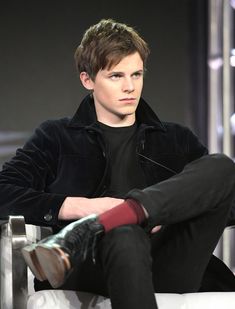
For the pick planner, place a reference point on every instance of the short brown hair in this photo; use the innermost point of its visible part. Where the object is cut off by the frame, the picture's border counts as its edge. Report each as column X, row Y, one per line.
column 105, row 44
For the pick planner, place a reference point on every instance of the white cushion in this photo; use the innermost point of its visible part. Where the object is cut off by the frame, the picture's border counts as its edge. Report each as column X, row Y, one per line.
column 58, row 299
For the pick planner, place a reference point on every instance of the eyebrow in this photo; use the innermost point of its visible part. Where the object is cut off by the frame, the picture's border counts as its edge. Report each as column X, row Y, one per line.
column 122, row 73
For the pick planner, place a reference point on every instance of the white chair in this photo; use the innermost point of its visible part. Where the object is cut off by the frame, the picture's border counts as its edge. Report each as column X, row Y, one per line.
column 17, row 280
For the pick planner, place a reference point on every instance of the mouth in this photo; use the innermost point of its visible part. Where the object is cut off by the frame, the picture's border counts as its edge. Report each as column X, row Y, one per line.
column 128, row 100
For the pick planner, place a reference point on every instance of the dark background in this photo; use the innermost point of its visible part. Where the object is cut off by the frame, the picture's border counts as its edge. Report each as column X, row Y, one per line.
column 38, row 79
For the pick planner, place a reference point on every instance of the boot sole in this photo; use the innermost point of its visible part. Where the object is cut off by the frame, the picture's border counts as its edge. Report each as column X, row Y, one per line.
column 31, row 260
column 54, row 262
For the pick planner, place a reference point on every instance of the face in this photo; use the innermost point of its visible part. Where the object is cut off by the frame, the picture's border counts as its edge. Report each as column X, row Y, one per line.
column 117, row 91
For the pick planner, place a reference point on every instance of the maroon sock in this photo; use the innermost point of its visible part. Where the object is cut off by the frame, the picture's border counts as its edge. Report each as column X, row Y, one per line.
column 128, row 212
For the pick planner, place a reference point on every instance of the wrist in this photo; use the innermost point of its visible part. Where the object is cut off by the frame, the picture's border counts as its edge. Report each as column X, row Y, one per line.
column 70, row 209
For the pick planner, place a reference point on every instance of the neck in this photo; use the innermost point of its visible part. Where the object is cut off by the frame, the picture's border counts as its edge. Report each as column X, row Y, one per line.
column 125, row 121
column 117, row 124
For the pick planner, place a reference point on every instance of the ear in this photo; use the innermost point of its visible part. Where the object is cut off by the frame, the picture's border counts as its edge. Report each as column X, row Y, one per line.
column 86, row 81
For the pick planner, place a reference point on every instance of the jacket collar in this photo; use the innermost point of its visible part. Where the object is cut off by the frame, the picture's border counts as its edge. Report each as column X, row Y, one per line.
column 85, row 115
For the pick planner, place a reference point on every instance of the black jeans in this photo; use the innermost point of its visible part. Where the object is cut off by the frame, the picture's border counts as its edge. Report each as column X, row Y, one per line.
column 132, row 264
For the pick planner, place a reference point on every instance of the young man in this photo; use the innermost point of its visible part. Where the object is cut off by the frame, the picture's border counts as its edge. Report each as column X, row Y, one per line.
column 147, row 203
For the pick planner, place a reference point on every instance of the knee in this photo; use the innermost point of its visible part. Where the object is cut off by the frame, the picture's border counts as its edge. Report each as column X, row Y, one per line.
column 218, row 169
column 222, row 164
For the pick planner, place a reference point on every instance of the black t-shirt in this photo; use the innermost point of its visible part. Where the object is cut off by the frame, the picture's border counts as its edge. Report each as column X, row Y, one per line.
column 126, row 173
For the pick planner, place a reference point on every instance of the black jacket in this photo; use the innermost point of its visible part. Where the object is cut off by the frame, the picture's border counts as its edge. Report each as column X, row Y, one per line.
column 68, row 157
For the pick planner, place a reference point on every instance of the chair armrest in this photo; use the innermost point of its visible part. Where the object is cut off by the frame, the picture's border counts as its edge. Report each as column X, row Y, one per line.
column 15, row 282
column 230, row 227
column 14, row 289
column 227, row 247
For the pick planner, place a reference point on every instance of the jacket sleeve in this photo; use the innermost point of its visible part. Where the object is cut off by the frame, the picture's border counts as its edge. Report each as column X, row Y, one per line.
column 24, row 179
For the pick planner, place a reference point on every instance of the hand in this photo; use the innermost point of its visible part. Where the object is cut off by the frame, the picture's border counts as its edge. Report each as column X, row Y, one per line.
column 75, row 208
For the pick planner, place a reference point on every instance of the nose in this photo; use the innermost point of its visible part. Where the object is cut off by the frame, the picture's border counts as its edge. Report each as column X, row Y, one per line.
column 128, row 85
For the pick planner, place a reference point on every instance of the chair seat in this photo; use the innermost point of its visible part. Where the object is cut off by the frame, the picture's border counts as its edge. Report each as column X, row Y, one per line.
column 59, row 299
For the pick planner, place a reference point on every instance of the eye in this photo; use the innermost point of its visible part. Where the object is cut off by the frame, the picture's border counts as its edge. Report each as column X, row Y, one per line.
column 115, row 76
column 137, row 75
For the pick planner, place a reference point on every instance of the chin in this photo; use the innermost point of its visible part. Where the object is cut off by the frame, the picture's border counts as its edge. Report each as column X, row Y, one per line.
column 128, row 110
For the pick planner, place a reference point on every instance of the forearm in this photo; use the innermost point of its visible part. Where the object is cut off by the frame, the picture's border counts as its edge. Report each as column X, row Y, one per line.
column 78, row 207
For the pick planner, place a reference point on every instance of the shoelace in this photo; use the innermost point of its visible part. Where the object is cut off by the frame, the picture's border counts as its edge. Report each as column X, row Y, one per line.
column 86, row 241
